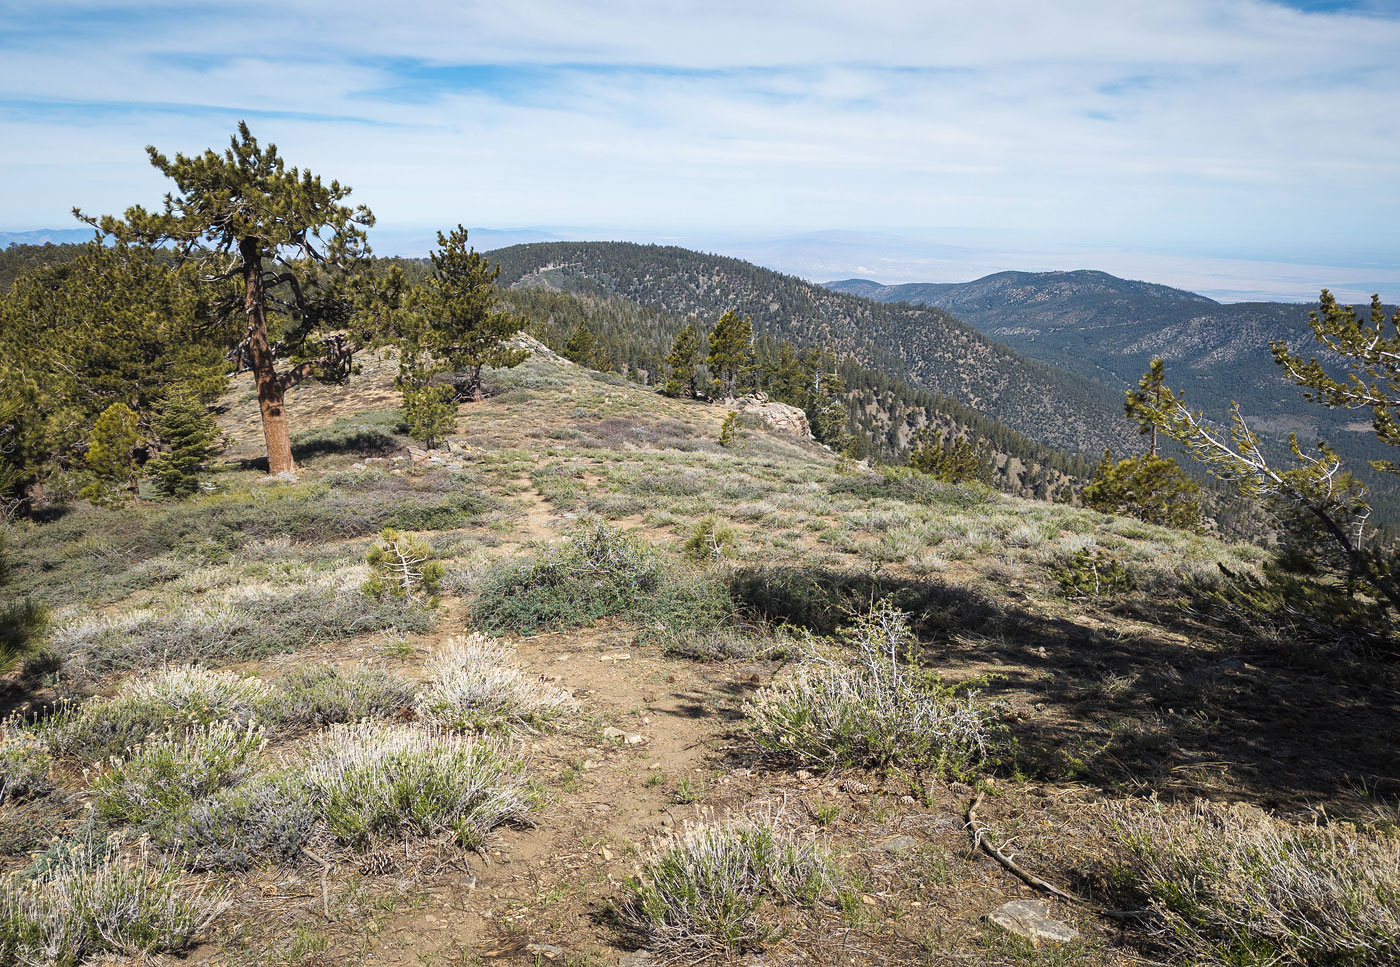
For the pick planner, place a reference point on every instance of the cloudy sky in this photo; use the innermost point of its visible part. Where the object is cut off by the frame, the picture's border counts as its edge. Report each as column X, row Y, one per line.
column 1240, row 147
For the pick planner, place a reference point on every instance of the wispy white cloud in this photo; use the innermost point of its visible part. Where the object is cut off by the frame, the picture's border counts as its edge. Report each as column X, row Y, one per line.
column 1195, row 127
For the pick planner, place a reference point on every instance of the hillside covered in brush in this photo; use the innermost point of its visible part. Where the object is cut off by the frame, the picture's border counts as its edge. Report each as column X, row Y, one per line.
column 928, row 347
column 1109, row 329
column 885, row 413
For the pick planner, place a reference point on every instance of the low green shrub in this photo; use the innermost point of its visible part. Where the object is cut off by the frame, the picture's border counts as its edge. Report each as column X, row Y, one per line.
column 163, row 777
column 595, row 572
column 875, row 710
column 707, row 894
column 475, row 684
column 265, row 821
column 709, row 541
column 375, row 782
column 1092, row 574
column 402, row 566
column 311, row 696
column 1231, row 885
column 89, row 898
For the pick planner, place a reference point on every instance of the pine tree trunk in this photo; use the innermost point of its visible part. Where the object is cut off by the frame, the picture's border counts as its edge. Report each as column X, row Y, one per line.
column 270, row 389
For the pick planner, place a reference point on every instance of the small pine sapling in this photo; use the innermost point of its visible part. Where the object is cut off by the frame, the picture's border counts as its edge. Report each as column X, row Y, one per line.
column 402, row 566
column 731, row 433
column 188, row 428
column 111, row 455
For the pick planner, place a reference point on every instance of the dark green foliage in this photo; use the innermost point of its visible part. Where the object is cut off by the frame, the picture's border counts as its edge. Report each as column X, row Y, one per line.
column 186, row 427
column 823, row 599
column 1092, row 574
column 952, row 460
column 19, row 259
column 731, row 351
column 111, row 455
column 731, row 431
column 22, row 621
column 682, row 379
column 304, row 299
column 431, row 413
column 582, row 347
column 456, row 324
column 594, row 573
column 115, row 325
column 1152, row 489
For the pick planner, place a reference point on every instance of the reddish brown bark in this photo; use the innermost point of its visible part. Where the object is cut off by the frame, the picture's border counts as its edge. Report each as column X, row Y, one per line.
column 271, row 391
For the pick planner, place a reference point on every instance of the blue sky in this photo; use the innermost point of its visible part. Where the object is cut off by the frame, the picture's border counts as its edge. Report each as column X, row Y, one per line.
column 1240, row 147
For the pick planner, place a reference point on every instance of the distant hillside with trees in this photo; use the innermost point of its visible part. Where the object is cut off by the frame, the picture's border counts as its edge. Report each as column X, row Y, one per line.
column 928, row 347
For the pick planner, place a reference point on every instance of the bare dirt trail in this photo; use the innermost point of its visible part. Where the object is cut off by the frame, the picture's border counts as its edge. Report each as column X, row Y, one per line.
column 610, row 801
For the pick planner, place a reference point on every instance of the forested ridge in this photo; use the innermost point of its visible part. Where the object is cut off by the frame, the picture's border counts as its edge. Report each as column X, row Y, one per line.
column 928, row 347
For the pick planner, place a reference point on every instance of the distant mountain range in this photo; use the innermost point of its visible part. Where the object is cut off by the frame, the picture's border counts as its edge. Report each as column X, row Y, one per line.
column 46, row 236
column 926, row 346
column 1109, row 329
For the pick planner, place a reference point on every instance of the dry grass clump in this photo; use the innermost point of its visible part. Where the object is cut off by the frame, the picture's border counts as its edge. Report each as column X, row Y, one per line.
column 176, row 696
column 86, row 898
column 375, row 782
column 874, row 710
column 311, row 696
column 709, row 894
column 25, row 762
column 164, row 776
column 474, row 684
column 264, row 821
column 1230, row 884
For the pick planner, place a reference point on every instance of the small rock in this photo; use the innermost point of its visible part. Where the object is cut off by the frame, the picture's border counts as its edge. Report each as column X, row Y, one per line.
column 618, row 657
column 900, row 844
column 546, row 950
column 654, row 765
column 637, row 958
column 614, row 733
column 1031, row 919
column 633, row 738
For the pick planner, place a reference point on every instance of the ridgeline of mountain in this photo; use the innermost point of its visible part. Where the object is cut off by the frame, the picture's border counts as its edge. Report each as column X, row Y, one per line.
column 1109, row 329
column 927, row 346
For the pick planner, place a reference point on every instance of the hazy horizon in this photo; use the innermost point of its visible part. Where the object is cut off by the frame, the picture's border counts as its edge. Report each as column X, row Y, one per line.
column 836, row 255
column 1240, row 148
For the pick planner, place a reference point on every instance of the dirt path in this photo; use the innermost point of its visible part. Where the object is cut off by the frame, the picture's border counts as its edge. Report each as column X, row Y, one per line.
column 611, row 801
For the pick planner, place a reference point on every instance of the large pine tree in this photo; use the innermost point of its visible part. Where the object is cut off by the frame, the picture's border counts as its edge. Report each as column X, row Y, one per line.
column 731, row 350
column 684, row 357
column 300, row 257
column 458, row 325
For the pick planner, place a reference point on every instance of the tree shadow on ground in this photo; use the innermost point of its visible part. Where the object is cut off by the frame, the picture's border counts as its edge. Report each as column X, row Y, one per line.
column 1179, row 710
